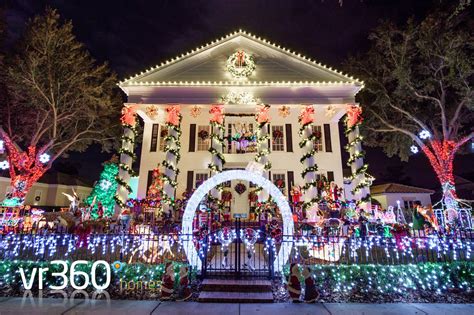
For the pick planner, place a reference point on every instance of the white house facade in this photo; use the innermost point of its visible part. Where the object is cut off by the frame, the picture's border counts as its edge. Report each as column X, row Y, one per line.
column 283, row 82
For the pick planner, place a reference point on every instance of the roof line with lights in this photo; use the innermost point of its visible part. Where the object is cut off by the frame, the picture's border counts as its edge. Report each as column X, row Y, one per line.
column 130, row 82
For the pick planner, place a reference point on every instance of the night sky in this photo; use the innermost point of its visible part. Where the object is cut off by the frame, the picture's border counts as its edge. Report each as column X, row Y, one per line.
column 134, row 35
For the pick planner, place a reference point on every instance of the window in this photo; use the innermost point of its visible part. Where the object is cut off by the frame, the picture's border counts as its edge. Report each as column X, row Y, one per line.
column 410, row 204
column 279, row 180
column 330, row 176
column 154, row 137
column 278, row 138
column 163, row 135
column 318, row 142
column 200, row 178
column 204, row 138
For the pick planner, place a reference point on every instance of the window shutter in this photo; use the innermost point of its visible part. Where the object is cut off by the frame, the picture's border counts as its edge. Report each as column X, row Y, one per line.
column 289, row 138
column 330, row 176
column 327, row 137
column 189, row 181
column 269, row 133
column 154, row 137
column 148, row 181
column 192, row 138
column 291, row 182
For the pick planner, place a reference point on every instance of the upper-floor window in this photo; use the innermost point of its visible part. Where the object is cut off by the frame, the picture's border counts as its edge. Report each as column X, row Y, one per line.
column 279, row 179
column 278, row 138
column 204, row 138
column 163, row 135
column 318, row 142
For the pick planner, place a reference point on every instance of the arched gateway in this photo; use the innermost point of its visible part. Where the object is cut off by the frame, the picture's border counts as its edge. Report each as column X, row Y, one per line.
column 268, row 186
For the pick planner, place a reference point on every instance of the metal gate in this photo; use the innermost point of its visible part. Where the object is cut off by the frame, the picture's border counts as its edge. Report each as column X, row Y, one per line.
column 239, row 250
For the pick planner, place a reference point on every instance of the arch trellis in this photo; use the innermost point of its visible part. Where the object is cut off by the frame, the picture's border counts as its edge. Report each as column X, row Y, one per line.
column 268, row 186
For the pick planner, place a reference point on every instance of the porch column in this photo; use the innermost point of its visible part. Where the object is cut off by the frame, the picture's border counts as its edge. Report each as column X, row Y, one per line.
column 262, row 117
column 128, row 120
column 217, row 145
column 360, row 180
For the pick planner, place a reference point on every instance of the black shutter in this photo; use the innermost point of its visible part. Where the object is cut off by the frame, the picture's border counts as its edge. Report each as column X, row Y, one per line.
column 327, row 137
column 189, row 181
column 330, row 176
column 289, row 138
column 148, row 181
column 154, row 137
column 291, row 182
column 269, row 143
column 192, row 138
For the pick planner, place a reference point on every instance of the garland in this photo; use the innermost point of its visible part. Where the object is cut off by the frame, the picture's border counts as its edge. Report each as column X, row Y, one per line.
column 306, row 119
column 172, row 155
column 262, row 117
column 217, row 148
column 352, row 121
column 129, row 122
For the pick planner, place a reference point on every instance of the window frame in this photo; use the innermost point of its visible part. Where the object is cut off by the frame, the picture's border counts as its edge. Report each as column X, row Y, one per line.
column 278, row 145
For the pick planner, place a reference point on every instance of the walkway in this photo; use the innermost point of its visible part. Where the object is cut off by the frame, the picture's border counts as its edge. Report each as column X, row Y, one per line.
column 50, row 306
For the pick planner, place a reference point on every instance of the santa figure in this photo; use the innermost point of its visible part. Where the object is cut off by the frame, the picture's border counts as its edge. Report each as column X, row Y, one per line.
column 296, row 194
column 167, row 285
column 184, row 291
column 294, row 285
column 311, row 294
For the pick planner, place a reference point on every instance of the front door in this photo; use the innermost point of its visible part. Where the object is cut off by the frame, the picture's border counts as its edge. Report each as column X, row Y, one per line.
column 238, row 251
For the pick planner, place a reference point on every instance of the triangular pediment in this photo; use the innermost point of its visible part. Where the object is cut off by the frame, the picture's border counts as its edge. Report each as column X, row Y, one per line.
column 274, row 64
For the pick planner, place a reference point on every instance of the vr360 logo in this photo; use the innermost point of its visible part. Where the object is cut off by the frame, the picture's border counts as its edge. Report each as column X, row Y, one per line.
column 28, row 284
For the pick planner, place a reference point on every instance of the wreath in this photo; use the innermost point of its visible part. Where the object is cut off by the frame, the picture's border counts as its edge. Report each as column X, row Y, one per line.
column 226, row 196
column 240, row 188
column 280, row 183
column 317, row 134
column 203, row 134
column 240, row 65
column 277, row 134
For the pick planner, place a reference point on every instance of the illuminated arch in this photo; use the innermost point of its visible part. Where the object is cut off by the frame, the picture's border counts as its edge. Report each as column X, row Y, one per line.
column 273, row 191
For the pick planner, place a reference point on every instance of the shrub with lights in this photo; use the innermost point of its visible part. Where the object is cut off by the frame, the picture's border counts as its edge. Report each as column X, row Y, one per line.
column 105, row 188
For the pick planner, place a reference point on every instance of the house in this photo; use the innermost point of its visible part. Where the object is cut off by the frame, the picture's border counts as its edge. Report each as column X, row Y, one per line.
column 389, row 194
column 47, row 192
column 241, row 72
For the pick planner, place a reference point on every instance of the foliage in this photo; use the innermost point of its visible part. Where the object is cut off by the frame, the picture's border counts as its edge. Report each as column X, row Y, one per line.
column 418, row 77
column 59, row 98
column 105, row 188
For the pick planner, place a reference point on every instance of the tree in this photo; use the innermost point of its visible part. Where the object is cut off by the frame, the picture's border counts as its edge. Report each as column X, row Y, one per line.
column 105, row 188
column 418, row 90
column 59, row 100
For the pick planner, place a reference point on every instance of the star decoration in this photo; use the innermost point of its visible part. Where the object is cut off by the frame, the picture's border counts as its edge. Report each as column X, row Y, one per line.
column 414, row 149
column 284, row 111
column 151, row 111
column 195, row 111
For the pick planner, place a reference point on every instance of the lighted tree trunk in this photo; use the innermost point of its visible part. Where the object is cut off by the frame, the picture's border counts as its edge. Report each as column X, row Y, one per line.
column 441, row 156
column 25, row 167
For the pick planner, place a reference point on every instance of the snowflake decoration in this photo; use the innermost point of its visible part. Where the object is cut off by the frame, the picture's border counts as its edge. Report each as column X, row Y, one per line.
column 195, row 111
column 240, row 98
column 330, row 111
column 105, row 184
column 44, row 158
column 151, row 111
column 284, row 111
column 414, row 149
column 424, row 134
column 4, row 165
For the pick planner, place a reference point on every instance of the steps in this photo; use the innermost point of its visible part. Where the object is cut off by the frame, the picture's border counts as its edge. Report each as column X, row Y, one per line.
column 236, row 291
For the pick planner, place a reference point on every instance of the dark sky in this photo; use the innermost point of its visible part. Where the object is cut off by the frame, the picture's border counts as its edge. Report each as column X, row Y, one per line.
column 134, row 35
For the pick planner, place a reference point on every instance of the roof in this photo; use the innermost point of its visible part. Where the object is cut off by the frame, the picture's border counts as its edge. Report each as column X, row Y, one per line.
column 205, row 66
column 392, row 188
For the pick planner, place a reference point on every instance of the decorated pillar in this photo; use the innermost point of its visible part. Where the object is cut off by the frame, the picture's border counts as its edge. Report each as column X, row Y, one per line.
column 127, row 156
column 360, row 180
column 217, row 144
column 172, row 156
column 262, row 117
column 306, row 132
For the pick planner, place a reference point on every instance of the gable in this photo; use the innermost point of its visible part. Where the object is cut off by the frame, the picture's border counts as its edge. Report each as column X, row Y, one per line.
column 208, row 64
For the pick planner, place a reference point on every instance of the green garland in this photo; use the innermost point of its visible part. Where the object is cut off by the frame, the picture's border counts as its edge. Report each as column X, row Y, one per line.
column 353, row 157
column 262, row 138
column 122, row 183
column 309, row 154
column 217, row 137
column 173, row 146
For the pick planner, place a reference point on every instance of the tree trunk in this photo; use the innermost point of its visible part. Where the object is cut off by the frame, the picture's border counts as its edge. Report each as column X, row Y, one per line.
column 441, row 156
